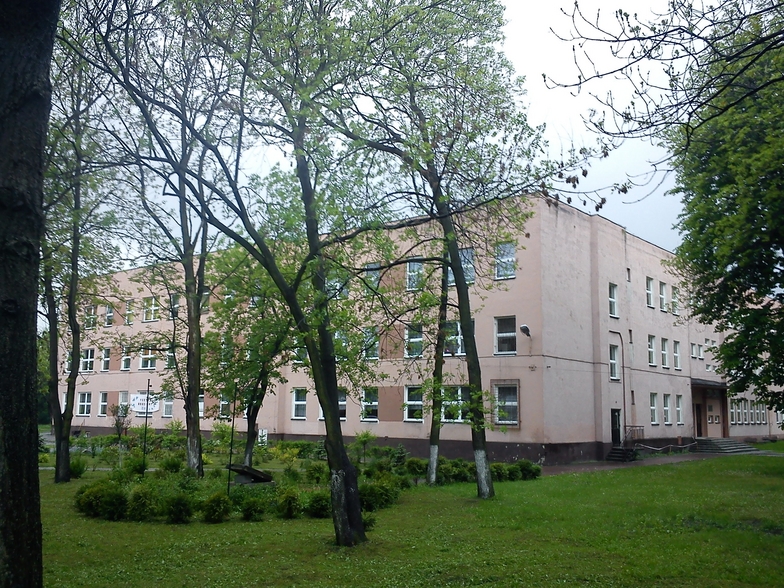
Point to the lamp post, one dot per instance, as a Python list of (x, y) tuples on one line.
[(231, 443), (146, 416)]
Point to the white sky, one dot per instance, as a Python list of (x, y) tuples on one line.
[(645, 211)]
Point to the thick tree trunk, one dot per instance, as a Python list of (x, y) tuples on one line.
[(438, 375), (253, 433), (26, 38)]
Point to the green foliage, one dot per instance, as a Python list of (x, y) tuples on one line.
[(416, 467), (141, 503), (299, 449), (528, 470), (369, 521), (381, 493), (43, 447), (317, 472), (172, 463), (78, 466), (289, 504), (102, 499), (498, 471), (398, 456), (253, 508), (110, 456), (221, 433), (318, 505), (216, 508), (178, 509)]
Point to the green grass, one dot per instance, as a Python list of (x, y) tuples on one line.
[(777, 446), (712, 523)]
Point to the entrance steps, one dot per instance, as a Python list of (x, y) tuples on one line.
[(723, 445), (621, 454)]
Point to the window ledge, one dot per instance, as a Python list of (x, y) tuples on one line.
[(499, 278), (615, 316), (654, 424), (506, 353), (616, 380)]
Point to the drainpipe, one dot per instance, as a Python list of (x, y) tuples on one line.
[(623, 382)]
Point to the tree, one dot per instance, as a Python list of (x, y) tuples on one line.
[(26, 38), (732, 184)]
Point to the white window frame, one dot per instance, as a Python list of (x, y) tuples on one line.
[(124, 398), (129, 311), (675, 300), (665, 352), (204, 299), (733, 403), (168, 408), (201, 405), (652, 350), (469, 270), (171, 358), (87, 361), (147, 358), (505, 260), (676, 355), (299, 404), (654, 408), (84, 405), (458, 403), (502, 415), (369, 405), (371, 343), (174, 306), (106, 358), (614, 373), (373, 275), (453, 341), (103, 403), (150, 309), (649, 291), (663, 296), (342, 405), (224, 408), (693, 350), (414, 341), (700, 354), (505, 335), (666, 408), (613, 300), (679, 408), (90, 316), (415, 273), (125, 360), (413, 406), (108, 319)]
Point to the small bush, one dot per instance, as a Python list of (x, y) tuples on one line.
[(319, 505), (216, 508), (89, 497), (416, 467), (498, 472), (463, 471), (141, 503), (135, 463), (114, 503), (398, 456), (528, 470), (172, 464), (513, 473), (43, 459), (78, 466), (289, 505), (368, 520), (110, 455), (43, 447), (379, 494), (216, 474), (317, 473), (178, 509), (253, 508)]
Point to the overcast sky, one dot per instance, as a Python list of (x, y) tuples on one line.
[(645, 211)]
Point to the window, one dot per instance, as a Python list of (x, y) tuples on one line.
[(90, 316), (201, 405), (679, 408), (342, 403), (467, 261), (700, 354), (336, 287), (369, 404), (88, 360), (663, 296), (628, 274), (733, 403), (693, 350), (168, 407), (453, 344), (506, 403), (204, 300), (414, 340), (666, 409), (300, 355), (613, 298), (125, 360), (373, 275), (665, 352), (150, 309), (674, 302), (654, 408), (147, 359), (676, 355), (371, 343), (174, 306), (505, 262), (224, 409), (505, 335), (124, 398), (764, 413), (103, 404), (414, 274), (454, 408), (129, 312), (83, 407), (614, 363), (649, 291), (108, 319), (106, 357), (413, 404), (171, 358), (651, 350), (299, 407)]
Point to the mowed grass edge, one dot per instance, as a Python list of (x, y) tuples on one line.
[(716, 522)]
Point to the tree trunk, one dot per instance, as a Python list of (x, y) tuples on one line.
[(253, 433), (26, 38), (438, 375)]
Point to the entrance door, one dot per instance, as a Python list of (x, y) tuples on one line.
[(698, 418), (615, 424)]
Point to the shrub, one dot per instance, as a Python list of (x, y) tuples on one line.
[(319, 505), (172, 463), (78, 466), (416, 467), (141, 503), (178, 509), (135, 463), (253, 508), (89, 497), (498, 471), (289, 505), (110, 455), (528, 470), (398, 456), (368, 521), (513, 473), (317, 473), (42, 445), (216, 474), (379, 494), (463, 471), (114, 503), (216, 508), (43, 459)]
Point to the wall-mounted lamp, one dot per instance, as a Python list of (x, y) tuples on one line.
[(525, 330)]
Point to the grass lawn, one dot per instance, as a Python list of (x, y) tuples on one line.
[(717, 522), (777, 446)]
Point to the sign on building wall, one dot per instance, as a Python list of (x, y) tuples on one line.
[(140, 403)]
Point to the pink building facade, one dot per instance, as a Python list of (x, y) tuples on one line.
[(584, 340)]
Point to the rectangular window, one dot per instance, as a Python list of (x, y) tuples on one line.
[(505, 262), (455, 403), (129, 311), (676, 355), (414, 274), (764, 413), (371, 343), (369, 404), (201, 405), (614, 374), (336, 287), (654, 408), (414, 344), (168, 408), (174, 306), (505, 335), (83, 407), (663, 296), (342, 403), (125, 360), (150, 309), (453, 344), (171, 358), (613, 299), (675, 301), (224, 409), (732, 411), (665, 352), (745, 411), (651, 350), (299, 403), (90, 316), (106, 357), (649, 291), (88, 360), (679, 408), (413, 404), (700, 354), (507, 408), (372, 275), (204, 300), (146, 358), (467, 261), (124, 398), (103, 404), (108, 319), (666, 409)]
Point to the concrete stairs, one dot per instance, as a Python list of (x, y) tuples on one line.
[(719, 445), (621, 454)]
